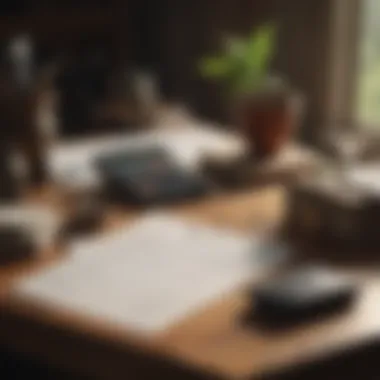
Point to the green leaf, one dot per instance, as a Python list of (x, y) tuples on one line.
[(235, 48), (260, 50), (214, 67), (245, 64)]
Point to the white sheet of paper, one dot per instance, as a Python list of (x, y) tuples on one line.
[(72, 164), (366, 176), (147, 276)]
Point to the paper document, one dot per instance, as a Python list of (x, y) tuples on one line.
[(149, 275), (71, 165), (366, 176)]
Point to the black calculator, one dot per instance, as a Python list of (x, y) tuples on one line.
[(149, 176)]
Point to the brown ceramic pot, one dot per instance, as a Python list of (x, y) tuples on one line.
[(268, 121)]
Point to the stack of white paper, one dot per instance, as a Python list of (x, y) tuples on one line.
[(71, 165), (365, 176), (147, 276)]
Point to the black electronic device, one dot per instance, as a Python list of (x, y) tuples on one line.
[(149, 176), (304, 294)]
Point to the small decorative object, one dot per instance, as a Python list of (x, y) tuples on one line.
[(267, 110), (134, 98), (333, 215), (26, 232), (345, 146), (144, 95), (18, 106)]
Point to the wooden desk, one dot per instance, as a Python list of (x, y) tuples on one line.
[(209, 344)]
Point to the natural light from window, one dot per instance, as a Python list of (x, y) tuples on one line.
[(369, 65)]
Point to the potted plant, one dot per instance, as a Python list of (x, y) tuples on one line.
[(267, 110)]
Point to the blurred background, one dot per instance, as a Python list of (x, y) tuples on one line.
[(81, 82)]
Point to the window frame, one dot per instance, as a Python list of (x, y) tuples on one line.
[(343, 70)]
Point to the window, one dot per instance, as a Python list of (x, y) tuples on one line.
[(368, 80)]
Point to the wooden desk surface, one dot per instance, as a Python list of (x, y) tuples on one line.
[(209, 344)]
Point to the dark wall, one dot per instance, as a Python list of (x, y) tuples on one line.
[(185, 30), (196, 28), (169, 37), (59, 26), (304, 55), (148, 22)]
